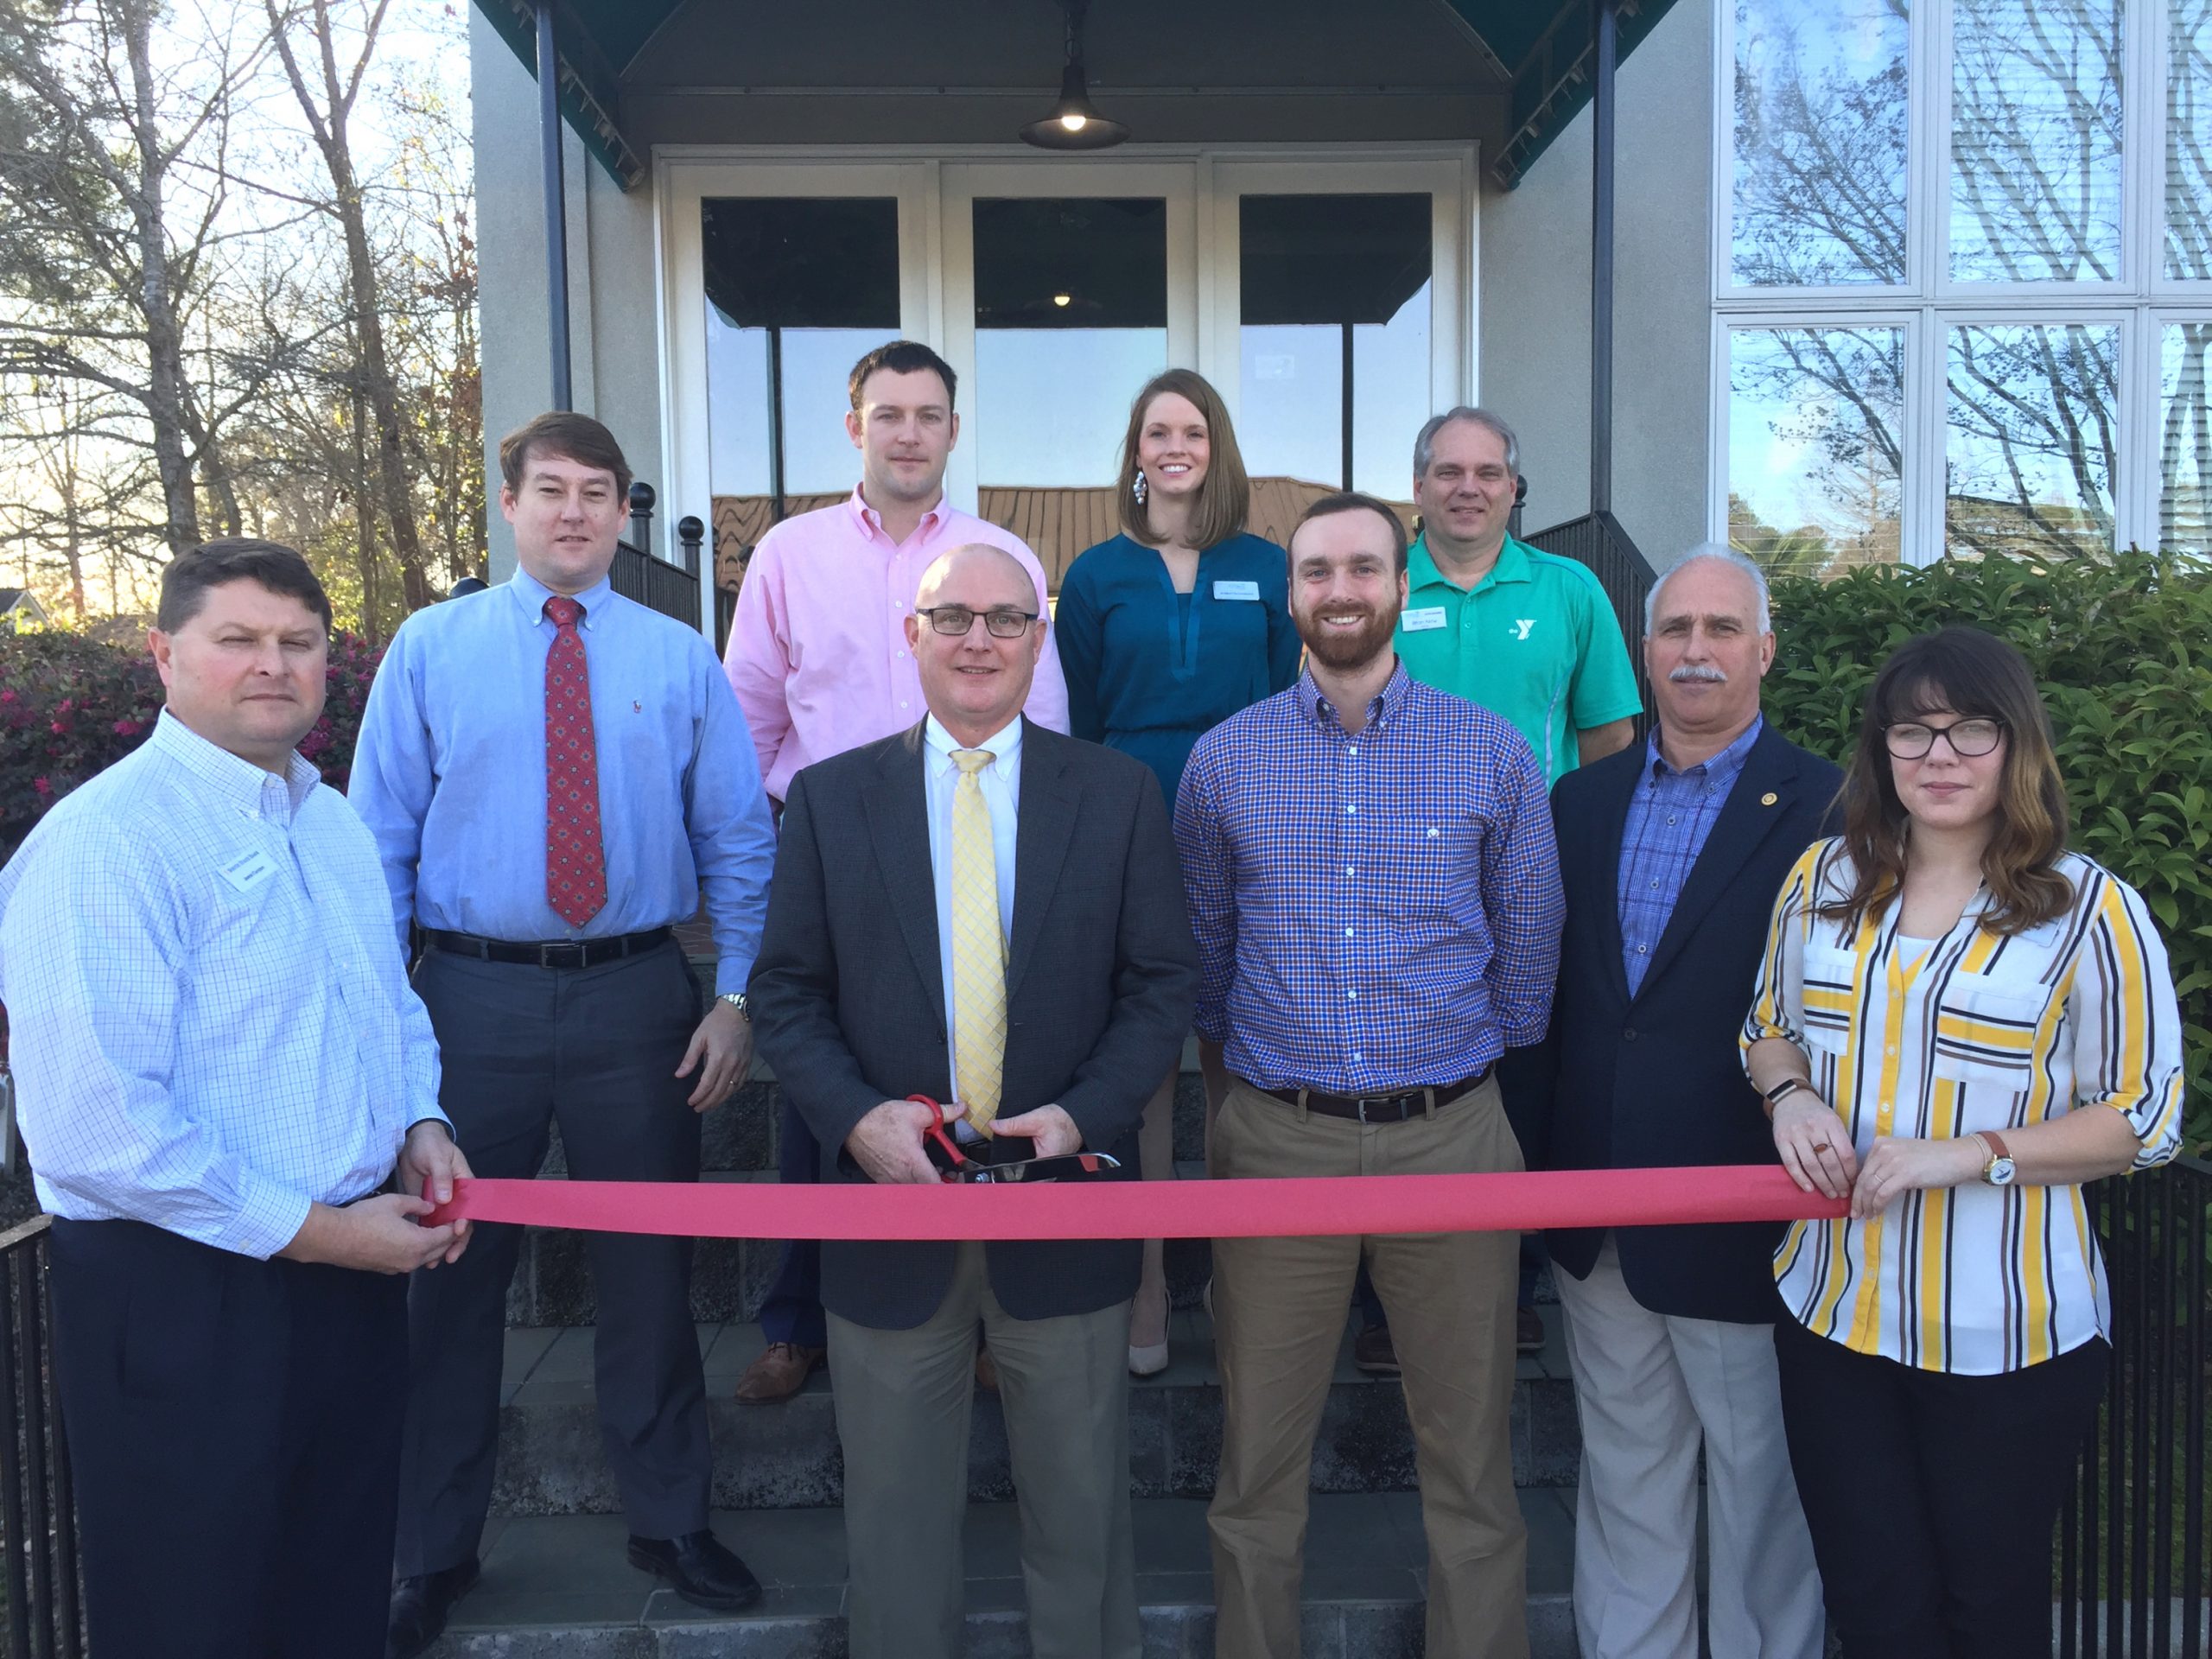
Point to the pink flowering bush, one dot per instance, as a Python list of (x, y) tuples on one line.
[(70, 706)]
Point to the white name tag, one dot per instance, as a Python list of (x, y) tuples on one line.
[(1237, 590), (248, 870), (1429, 616)]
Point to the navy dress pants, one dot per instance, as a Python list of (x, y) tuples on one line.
[(595, 1049), (233, 1429)]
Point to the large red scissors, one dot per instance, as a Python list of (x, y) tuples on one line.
[(954, 1165)]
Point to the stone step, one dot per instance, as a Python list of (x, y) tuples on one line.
[(559, 1586), (786, 1456)]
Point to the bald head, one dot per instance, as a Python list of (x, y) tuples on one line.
[(976, 681), (992, 573)]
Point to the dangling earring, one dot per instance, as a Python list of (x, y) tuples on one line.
[(1137, 489)]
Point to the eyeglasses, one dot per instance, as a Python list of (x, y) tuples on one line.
[(1912, 740), (955, 619)]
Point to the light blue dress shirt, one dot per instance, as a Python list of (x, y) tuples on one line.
[(450, 774), (212, 1027)]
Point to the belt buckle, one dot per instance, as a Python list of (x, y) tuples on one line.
[(1359, 1105), (564, 953)]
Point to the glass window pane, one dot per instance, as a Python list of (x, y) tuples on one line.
[(1820, 125), (2035, 141), (798, 290), (1071, 320), (1332, 287), (2189, 140), (1815, 420), (2184, 439), (2032, 429)]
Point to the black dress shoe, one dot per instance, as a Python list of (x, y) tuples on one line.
[(419, 1607), (699, 1568)]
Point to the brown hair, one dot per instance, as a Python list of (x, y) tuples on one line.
[(567, 435), (1225, 500), (1978, 676), (1352, 501), (189, 578), (901, 357)]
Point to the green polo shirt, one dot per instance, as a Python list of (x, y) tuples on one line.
[(1534, 640)]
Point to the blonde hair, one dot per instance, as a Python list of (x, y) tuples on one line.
[(1224, 497)]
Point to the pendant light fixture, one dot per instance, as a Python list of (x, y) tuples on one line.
[(1073, 124)]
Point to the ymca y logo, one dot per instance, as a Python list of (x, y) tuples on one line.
[(1523, 624)]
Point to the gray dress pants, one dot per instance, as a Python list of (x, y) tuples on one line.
[(596, 1049)]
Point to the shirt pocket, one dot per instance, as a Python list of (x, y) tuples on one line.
[(1986, 1029), (1431, 876), (1829, 997)]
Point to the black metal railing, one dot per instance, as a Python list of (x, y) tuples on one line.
[(38, 1510), (672, 589), (2134, 1556), (1597, 540)]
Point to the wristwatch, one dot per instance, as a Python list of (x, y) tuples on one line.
[(1999, 1170), (736, 999)]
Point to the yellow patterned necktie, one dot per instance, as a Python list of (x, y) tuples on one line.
[(978, 946)]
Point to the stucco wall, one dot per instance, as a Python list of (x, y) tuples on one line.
[(615, 351), (1535, 308)]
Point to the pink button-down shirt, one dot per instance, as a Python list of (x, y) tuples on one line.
[(817, 653)]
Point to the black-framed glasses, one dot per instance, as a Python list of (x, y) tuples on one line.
[(955, 620), (1911, 740)]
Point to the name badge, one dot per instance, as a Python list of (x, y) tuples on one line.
[(248, 870), (1237, 590), (1429, 616)]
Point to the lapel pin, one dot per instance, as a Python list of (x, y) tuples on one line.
[(1769, 798)]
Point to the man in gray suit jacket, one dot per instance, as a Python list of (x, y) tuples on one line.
[(990, 914)]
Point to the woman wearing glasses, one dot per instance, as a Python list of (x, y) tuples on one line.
[(1165, 631), (1957, 1023)]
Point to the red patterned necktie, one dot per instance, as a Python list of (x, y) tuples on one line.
[(575, 862)]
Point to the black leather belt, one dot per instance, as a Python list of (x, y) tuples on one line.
[(1380, 1108), (549, 953)]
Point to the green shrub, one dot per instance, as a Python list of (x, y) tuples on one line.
[(2123, 650)]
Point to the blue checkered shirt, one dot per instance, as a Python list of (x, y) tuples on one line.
[(209, 1017), (1373, 912), (1668, 818)]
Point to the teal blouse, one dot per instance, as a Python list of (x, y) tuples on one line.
[(1149, 670)]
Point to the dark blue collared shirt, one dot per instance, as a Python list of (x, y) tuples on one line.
[(1373, 912), (450, 774), (1669, 817)]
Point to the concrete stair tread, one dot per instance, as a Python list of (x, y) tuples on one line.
[(561, 1584)]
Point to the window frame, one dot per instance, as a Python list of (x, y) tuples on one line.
[(2142, 301)]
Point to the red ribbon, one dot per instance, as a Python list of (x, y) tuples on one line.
[(1207, 1209)]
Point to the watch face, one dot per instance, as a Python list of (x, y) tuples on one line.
[(2001, 1172)]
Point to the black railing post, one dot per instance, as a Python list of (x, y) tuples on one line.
[(690, 533), (641, 515), (556, 204)]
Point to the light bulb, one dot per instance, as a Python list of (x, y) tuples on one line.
[(1073, 123), (1061, 299)]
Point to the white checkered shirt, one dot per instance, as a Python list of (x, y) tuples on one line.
[(210, 1021)]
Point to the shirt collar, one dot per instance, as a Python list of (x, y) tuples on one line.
[(532, 594), (1318, 709), (871, 522), (241, 782), (1724, 765), (1422, 571), (1005, 743)]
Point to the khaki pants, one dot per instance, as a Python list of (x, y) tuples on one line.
[(1279, 1307), (904, 1400)]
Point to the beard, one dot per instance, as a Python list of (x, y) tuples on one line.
[(1344, 651)]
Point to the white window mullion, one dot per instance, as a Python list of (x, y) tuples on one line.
[(1928, 159), (1927, 427)]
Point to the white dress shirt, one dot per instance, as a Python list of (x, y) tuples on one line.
[(1001, 783), (211, 1020)]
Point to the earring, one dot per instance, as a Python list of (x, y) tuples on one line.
[(1137, 489)]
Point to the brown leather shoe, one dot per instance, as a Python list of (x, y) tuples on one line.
[(987, 1371), (779, 1373)]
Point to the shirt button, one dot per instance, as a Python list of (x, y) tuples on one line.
[(1671, 817), (1348, 934), (902, 654), (1352, 996), (1354, 748), (1355, 1058), (902, 703), (1347, 869), (1641, 950), (1655, 886), (1351, 810)]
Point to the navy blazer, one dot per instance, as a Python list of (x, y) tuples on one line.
[(1656, 1080)]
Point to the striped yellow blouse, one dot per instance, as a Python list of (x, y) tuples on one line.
[(1980, 1033)]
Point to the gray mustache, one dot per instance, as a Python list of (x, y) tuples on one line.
[(1692, 673)]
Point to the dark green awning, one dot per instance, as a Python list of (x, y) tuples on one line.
[(1541, 45)]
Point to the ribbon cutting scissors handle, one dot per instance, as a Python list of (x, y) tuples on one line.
[(956, 1166)]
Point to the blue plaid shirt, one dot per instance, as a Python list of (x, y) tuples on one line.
[(1668, 818), (1374, 913)]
